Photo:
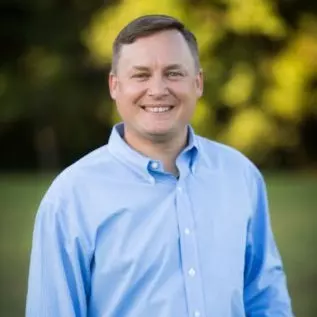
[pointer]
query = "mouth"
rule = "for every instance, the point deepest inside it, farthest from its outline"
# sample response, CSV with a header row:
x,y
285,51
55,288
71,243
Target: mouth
x,y
157,108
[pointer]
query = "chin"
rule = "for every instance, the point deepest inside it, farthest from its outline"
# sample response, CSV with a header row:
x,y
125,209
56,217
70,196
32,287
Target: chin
x,y
159,134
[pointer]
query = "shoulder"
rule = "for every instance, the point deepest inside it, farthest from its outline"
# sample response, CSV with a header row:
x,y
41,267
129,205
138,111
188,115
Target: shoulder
x,y
65,209
235,168
77,177
223,156
229,161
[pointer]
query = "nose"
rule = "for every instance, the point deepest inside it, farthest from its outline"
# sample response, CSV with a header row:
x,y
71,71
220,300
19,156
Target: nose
x,y
157,87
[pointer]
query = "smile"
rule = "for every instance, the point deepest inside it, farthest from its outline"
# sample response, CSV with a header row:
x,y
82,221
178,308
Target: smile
x,y
157,109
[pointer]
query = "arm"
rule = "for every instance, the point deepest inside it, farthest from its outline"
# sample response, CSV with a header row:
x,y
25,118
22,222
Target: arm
x,y
59,272
265,290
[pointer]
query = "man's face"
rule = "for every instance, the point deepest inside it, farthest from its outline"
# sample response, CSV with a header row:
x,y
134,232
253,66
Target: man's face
x,y
156,86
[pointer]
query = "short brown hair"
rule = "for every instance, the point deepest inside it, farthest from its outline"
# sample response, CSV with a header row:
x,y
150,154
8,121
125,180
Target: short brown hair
x,y
150,24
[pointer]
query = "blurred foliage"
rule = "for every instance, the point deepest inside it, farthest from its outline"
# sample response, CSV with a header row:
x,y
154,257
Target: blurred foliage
x,y
265,92
258,56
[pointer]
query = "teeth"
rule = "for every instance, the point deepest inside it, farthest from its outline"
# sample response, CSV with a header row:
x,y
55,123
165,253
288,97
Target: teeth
x,y
157,109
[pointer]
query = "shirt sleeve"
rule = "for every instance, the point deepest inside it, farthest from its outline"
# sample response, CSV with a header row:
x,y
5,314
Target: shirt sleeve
x,y
58,282
265,289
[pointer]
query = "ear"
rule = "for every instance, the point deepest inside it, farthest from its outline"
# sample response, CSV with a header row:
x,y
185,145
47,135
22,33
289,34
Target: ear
x,y
199,82
113,85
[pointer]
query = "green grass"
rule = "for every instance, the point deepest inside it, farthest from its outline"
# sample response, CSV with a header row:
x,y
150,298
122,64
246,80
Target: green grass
x,y
293,201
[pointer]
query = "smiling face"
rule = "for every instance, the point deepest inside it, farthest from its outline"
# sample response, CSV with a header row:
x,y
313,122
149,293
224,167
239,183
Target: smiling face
x,y
156,87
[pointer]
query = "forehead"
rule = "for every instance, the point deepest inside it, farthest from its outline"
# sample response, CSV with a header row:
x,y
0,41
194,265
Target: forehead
x,y
157,50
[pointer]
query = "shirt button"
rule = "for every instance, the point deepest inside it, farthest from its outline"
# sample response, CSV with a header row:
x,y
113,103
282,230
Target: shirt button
x,y
187,231
180,189
192,272
197,313
154,165
151,180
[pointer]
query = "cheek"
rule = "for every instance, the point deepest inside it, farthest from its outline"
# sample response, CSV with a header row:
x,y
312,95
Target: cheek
x,y
127,99
131,92
184,91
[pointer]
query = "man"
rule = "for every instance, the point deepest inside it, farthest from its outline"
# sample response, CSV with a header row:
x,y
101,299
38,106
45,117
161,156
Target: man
x,y
159,222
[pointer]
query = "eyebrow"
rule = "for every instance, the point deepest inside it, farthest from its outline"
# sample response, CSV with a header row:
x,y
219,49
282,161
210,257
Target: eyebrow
x,y
174,66
169,67
140,68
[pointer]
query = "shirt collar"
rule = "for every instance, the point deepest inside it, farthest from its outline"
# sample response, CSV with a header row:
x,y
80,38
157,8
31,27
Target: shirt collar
x,y
140,163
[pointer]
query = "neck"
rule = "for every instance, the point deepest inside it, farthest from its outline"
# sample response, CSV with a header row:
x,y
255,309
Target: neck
x,y
165,151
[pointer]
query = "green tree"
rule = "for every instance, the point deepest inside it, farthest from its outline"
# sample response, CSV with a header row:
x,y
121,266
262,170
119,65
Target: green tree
x,y
259,69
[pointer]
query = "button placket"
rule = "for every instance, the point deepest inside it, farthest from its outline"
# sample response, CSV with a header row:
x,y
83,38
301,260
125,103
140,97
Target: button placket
x,y
197,313
192,272
155,165
189,254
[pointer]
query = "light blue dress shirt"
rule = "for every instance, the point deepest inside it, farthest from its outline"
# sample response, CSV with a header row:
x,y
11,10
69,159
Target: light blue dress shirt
x,y
116,236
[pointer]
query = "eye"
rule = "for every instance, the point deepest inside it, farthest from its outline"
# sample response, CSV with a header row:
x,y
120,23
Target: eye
x,y
174,74
141,76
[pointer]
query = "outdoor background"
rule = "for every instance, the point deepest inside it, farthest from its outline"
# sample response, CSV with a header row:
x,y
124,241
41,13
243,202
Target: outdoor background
x,y
260,64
